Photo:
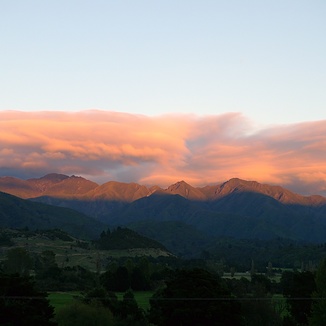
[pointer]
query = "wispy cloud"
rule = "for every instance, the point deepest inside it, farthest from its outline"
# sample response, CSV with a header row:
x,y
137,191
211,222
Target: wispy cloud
x,y
161,150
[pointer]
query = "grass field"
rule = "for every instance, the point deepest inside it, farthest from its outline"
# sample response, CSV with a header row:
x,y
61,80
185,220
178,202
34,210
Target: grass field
x,y
60,299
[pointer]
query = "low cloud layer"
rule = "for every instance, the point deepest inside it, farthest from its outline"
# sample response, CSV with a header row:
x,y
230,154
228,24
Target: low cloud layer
x,y
104,146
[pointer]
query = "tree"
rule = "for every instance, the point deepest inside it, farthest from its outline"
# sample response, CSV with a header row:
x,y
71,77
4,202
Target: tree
x,y
298,289
129,264
318,315
138,281
194,297
48,274
270,269
252,268
46,266
259,310
116,281
18,261
102,297
125,312
82,314
5,240
128,308
108,281
21,304
262,281
122,279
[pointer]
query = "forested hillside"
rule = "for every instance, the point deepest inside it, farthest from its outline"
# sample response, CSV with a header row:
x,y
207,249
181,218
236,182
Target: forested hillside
x,y
18,213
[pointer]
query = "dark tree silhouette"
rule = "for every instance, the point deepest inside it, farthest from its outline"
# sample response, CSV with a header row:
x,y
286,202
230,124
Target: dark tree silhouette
x,y
298,289
18,261
318,315
194,297
21,304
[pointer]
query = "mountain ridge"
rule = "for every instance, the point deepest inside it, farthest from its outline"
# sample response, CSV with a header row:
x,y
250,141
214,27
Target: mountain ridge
x,y
235,208
63,186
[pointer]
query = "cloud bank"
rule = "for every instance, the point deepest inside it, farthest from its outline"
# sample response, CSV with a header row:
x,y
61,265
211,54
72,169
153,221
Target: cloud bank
x,y
161,150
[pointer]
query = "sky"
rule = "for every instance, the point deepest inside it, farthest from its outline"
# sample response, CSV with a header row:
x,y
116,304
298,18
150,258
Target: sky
x,y
159,91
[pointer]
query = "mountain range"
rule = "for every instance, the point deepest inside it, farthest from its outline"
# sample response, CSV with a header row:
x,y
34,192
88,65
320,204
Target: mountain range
x,y
63,186
235,208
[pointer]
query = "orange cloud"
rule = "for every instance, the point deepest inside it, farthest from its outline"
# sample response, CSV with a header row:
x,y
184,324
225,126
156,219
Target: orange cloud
x,y
161,150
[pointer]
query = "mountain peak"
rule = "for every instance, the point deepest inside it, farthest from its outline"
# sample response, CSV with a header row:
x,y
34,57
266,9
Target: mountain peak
x,y
54,177
183,189
178,185
279,193
232,185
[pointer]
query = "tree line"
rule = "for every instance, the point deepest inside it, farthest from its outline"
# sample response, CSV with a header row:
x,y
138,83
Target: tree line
x,y
189,297
185,292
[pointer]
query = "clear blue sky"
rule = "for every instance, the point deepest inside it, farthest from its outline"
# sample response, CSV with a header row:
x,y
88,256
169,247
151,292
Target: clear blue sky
x,y
266,59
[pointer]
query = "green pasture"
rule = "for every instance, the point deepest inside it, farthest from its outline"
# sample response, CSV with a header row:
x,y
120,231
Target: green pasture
x,y
60,299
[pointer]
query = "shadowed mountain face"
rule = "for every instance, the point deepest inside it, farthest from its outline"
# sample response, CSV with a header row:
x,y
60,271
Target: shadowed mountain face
x,y
18,213
237,208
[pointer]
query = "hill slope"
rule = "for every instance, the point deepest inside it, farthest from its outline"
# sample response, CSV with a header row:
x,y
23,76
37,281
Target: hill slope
x,y
18,213
124,238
